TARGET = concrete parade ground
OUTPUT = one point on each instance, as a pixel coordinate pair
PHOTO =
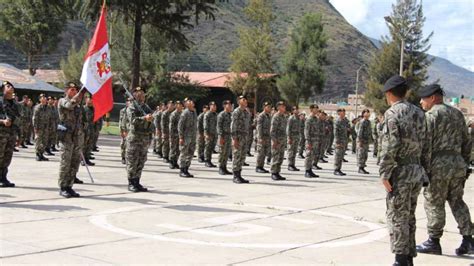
(205, 220)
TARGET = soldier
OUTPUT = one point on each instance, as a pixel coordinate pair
(341, 131)
(448, 170)
(123, 127)
(379, 128)
(302, 145)
(375, 138)
(89, 130)
(253, 125)
(264, 120)
(165, 127)
(293, 132)
(173, 133)
(401, 167)
(364, 134)
(278, 135)
(187, 128)
(329, 149)
(325, 137)
(224, 120)
(210, 133)
(97, 128)
(157, 122)
(72, 139)
(8, 114)
(52, 139)
(354, 134)
(239, 129)
(140, 121)
(200, 134)
(312, 136)
(41, 119)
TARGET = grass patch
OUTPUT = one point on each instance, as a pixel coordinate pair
(112, 129)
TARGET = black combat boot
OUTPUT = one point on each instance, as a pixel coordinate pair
(210, 164)
(15, 149)
(78, 181)
(246, 164)
(140, 187)
(301, 156)
(48, 152)
(73, 193)
(362, 171)
(3, 178)
(293, 168)
(155, 151)
(261, 170)
(187, 172)
(29, 143)
(88, 162)
(277, 177)
(401, 260)
(430, 246)
(160, 154)
(309, 174)
(184, 173)
(173, 165)
(224, 171)
(38, 157)
(166, 159)
(96, 149)
(53, 148)
(124, 161)
(339, 172)
(344, 160)
(467, 246)
(238, 178)
(249, 154)
(316, 167)
(132, 185)
(201, 159)
(22, 145)
(322, 160)
(64, 191)
(269, 161)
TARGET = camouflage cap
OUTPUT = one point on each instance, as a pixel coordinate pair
(313, 106)
(205, 106)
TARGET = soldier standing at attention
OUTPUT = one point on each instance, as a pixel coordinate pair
(402, 167)
(264, 120)
(210, 133)
(364, 134)
(302, 145)
(8, 114)
(449, 169)
(140, 118)
(293, 132)
(341, 131)
(224, 120)
(72, 140)
(312, 136)
(173, 132)
(239, 129)
(157, 122)
(278, 135)
(165, 128)
(200, 134)
(123, 127)
(41, 119)
(187, 128)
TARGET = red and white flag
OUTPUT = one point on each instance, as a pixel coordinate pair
(96, 72)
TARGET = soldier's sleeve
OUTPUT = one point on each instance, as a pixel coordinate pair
(133, 117)
(162, 121)
(289, 126)
(234, 124)
(306, 129)
(427, 138)
(121, 114)
(219, 124)
(206, 122)
(466, 146)
(259, 126)
(68, 103)
(274, 127)
(181, 124)
(390, 146)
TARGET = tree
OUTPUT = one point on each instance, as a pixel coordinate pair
(302, 64)
(405, 23)
(32, 26)
(253, 57)
(73, 63)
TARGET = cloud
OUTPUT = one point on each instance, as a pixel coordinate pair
(354, 11)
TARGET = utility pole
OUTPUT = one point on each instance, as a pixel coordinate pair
(389, 20)
(357, 90)
(402, 49)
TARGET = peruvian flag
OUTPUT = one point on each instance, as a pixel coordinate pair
(97, 73)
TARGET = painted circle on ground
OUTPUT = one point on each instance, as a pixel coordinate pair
(374, 231)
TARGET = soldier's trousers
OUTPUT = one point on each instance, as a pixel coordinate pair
(302, 146)
(312, 154)
(278, 154)
(174, 148)
(165, 147)
(7, 144)
(362, 154)
(331, 140)
(249, 141)
(323, 147)
(52, 136)
(200, 145)
(225, 151)
(88, 142)
(71, 148)
(238, 155)
(401, 221)
(292, 150)
(339, 155)
(123, 147)
(158, 144)
(263, 149)
(137, 151)
(187, 152)
(96, 137)
(24, 131)
(376, 147)
(41, 141)
(447, 184)
(209, 147)
(354, 145)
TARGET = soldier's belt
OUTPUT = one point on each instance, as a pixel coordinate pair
(445, 153)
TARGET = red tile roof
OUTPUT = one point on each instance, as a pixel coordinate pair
(213, 79)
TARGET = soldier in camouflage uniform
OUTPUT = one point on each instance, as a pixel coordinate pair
(379, 128)
(173, 132)
(375, 138)
(201, 142)
(264, 120)
(278, 135)
(364, 134)
(187, 129)
(448, 170)
(325, 137)
(402, 167)
(97, 128)
(41, 120)
(8, 114)
(341, 137)
(25, 115)
(165, 128)
(354, 134)
(239, 129)
(210, 133)
(293, 132)
(72, 139)
(224, 120)
(157, 122)
(123, 127)
(140, 133)
(302, 145)
(52, 139)
(253, 125)
(312, 135)
(89, 129)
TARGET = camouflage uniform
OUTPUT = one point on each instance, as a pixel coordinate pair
(354, 138)
(25, 117)
(364, 134)
(200, 135)
(165, 136)
(278, 135)
(224, 120)
(53, 127)
(263, 137)
(187, 128)
(97, 128)
(450, 157)
(41, 120)
(210, 130)
(325, 138)
(302, 146)
(293, 132)
(331, 134)
(174, 138)
(138, 139)
(158, 140)
(375, 138)
(341, 137)
(402, 164)
(8, 109)
(239, 127)
(88, 130)
(252, 127)
(123, 126)
(312, 132)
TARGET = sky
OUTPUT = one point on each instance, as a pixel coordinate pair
(452, 22)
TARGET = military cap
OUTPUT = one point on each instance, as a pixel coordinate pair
(4, 83)
(212, 103)
(394, 82)
(313, 106)
(138, 89)
(206, 106)
(41, 95)
(178, 102)
(50, 98)
(280, 103)
(242, 97)
(55, 98)
(189, 100)
(226, 102)
(170, 102)
(267, 104)
(25, 97)
(303, 113)
(430, 90)
(71, 85)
